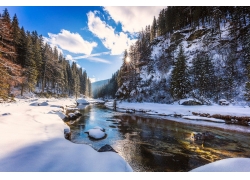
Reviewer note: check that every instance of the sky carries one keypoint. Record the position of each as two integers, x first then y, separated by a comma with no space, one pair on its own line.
95,37
94,33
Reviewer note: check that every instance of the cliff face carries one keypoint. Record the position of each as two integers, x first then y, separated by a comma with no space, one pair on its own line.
227,49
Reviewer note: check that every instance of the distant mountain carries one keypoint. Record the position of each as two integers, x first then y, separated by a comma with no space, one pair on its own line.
98,84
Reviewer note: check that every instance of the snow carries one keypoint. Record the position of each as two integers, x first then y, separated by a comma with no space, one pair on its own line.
170,111
82,101
98,127
32,137
226,165
32,140
96,133
71,114
203,118
185,110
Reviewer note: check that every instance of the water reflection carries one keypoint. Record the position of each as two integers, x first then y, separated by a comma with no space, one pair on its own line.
150,144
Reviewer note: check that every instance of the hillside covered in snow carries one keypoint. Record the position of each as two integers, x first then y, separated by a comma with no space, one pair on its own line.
197,52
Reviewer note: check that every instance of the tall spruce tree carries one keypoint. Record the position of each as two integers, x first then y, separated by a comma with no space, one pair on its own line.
247,85
180,84
30,64
203,76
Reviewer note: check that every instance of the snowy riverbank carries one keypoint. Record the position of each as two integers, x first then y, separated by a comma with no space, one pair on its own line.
185,114
32,139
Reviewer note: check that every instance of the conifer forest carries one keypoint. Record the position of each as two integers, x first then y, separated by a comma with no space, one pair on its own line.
198,52
27,62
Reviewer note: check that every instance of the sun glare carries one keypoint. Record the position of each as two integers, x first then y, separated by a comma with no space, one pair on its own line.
127,60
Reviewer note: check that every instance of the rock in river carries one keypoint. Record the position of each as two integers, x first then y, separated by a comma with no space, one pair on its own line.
106,148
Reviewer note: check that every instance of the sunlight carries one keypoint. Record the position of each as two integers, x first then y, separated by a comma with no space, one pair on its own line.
127,60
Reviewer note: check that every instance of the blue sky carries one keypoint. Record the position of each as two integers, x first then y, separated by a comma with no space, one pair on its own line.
93,36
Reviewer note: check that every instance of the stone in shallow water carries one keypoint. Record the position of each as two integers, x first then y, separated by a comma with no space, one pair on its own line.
96,134
106,148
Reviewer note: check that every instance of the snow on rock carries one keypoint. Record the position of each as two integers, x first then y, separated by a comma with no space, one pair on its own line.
82,101
96,101
98,127
43,104
204,119
5,114
59,113
96,133
32,140
71,115
34,104
66,128
226,165
39,104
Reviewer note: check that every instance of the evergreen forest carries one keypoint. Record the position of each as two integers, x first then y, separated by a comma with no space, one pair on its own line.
30,64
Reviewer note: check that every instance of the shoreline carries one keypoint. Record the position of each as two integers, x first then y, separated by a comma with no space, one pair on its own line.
33,141
177,112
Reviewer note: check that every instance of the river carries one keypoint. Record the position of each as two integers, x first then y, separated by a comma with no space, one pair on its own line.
151,144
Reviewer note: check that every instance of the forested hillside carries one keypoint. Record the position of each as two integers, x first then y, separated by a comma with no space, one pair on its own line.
29,64
108,89
197,52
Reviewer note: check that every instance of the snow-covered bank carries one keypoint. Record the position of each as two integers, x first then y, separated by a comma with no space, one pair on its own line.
32,139
226,165
186,113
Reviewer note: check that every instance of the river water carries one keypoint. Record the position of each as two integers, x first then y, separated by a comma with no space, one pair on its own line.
150,144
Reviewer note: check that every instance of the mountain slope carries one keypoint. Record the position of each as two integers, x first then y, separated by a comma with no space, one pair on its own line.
226,48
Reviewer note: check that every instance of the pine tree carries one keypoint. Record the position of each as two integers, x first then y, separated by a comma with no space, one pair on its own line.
90,89
10,72
180,84
153,30
30,65
247,85
21,47
15,30
203,76
37,44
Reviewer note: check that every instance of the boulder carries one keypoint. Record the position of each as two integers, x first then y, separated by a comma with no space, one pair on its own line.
82,101
201,136
106,148
96,134
191,102
223,102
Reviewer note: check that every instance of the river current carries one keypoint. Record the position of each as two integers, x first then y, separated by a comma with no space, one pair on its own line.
151,144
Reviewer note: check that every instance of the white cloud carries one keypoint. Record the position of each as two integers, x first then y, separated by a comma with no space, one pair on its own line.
92,79
77,65
98,60
91,57
71,42
134,18
47,40
69,57
117,43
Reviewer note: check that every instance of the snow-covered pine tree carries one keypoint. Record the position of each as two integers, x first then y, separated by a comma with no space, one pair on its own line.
247,86
202,74
180,84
